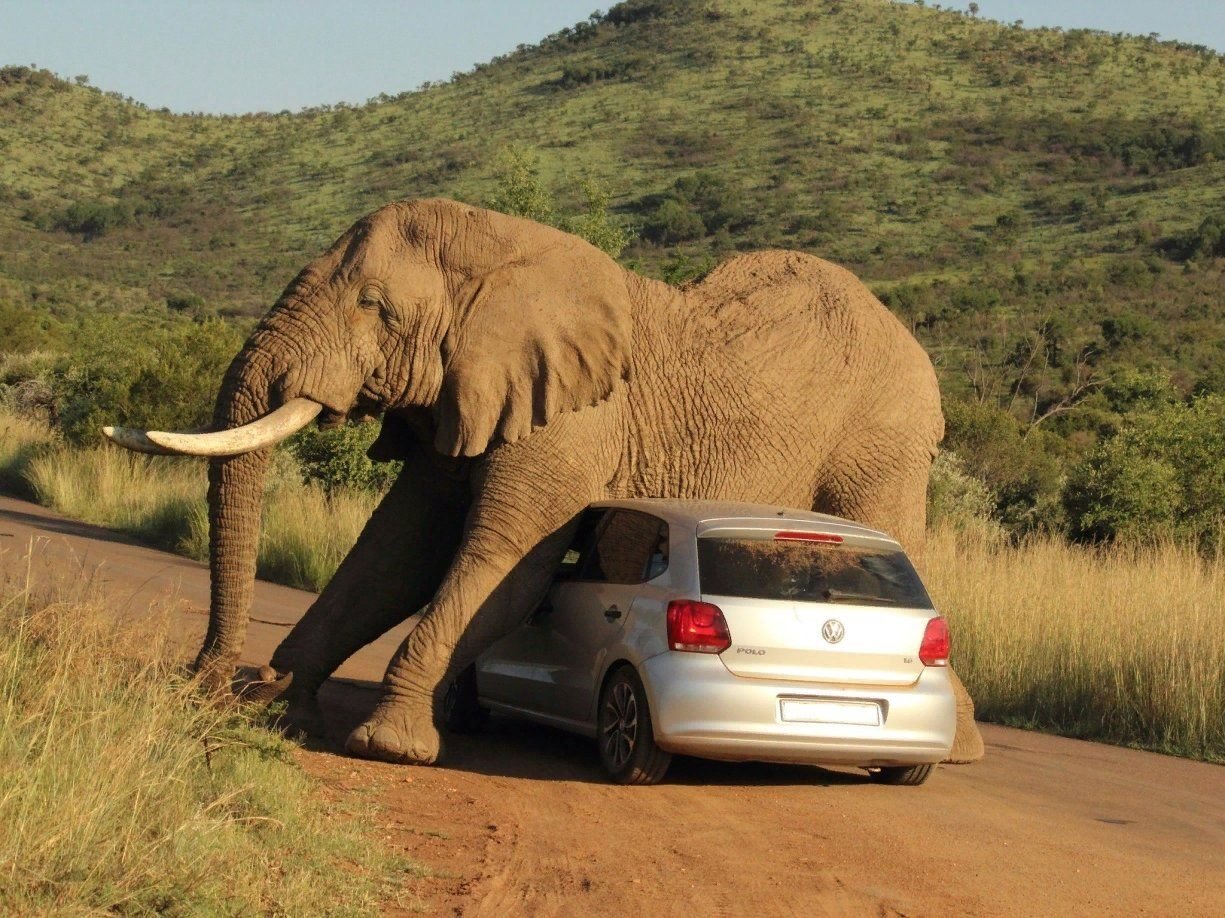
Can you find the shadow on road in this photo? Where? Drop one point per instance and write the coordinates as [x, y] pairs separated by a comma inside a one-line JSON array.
[[518, 749], [73, 528]]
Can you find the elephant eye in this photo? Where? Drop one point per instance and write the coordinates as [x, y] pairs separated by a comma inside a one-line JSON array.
[[369, 299]]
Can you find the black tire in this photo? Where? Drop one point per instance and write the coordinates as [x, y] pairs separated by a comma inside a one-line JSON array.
[[461, 708], [905, 775], [624, 732]]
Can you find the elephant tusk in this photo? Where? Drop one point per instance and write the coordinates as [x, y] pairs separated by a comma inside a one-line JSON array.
[[271, 428]]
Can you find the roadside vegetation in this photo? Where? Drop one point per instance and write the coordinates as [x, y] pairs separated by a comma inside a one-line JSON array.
[[308, 526], [122, 790], [1124, 644]]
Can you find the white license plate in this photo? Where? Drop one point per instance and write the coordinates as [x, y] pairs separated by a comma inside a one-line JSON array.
[[818, 711]]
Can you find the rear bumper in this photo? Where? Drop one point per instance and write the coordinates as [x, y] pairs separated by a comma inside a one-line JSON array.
[[699, 708]]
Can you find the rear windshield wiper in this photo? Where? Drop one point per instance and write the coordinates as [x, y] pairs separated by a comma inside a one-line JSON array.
[[840, 596]]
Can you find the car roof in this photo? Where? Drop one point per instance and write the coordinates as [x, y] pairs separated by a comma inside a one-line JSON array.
[[708, 514]]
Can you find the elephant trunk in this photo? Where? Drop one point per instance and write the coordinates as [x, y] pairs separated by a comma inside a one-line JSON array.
[[235, 500]]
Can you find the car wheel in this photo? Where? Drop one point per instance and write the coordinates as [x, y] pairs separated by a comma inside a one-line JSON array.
[[625, 735], [909, 775], [461, 708]]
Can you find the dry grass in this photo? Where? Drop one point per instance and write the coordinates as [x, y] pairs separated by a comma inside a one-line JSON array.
[[121, 791], [1125, 645], [158, 500], [306, 531], [21, 440]]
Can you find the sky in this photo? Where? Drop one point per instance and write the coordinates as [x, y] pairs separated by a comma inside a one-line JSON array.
[[233, 56]]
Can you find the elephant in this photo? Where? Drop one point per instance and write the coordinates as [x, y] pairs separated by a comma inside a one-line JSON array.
[[521, 374]]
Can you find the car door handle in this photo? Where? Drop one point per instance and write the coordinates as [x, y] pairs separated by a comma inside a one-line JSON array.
[[612, 612]]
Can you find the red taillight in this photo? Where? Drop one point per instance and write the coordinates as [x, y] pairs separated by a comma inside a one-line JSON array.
[[934, 651], [827, 538], [697, 626]]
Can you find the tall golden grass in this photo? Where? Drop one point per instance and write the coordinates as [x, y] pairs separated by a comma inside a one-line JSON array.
[[306, 531], [1125, 644], [122, 791], [21, 440], [158, 500]]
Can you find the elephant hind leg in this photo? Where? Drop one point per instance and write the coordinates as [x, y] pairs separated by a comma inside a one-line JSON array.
[[898, 506], [968, 741], [885, 489]]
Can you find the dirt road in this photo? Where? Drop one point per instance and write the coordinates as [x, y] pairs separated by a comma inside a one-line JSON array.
[[518, 821]]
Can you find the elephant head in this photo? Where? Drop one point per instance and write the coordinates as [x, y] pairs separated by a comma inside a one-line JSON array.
[[481, 325]]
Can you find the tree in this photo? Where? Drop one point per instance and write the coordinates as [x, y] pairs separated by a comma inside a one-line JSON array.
[[1161, 474], [520, 192], [597, 225]]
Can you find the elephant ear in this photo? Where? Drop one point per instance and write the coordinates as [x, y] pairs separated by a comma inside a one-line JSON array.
[[545, 334]]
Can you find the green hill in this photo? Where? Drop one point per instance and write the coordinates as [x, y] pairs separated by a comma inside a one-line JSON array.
[[1045, 208]]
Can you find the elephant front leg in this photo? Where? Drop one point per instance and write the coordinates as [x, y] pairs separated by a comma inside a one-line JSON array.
[[394, 569], [404, 726], [525, 497]]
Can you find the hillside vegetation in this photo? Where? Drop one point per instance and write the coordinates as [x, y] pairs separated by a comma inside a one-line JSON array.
[[1044, 208]]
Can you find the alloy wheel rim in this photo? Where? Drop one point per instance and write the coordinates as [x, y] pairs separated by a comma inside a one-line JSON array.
[[620, 725]]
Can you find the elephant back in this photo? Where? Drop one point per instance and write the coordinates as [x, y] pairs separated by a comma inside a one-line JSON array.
[[766, 303]]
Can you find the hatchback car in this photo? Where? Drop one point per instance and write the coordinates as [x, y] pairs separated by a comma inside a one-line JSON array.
[[728, 631]]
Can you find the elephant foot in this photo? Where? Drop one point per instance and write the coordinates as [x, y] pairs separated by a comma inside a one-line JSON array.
[[302, 717], [967, 742], [394, 735], [967, 745]]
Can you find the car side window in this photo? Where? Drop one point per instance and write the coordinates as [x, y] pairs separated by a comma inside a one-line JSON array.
[[588, 522], [629, 547]]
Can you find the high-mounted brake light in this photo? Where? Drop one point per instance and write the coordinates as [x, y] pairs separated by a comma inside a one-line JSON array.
[[934, 650], [698, 627], [827, 538]]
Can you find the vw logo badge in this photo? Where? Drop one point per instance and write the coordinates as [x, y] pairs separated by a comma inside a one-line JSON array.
[[832, 631]]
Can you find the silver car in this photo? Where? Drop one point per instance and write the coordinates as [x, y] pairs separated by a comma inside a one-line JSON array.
[[728, 631]]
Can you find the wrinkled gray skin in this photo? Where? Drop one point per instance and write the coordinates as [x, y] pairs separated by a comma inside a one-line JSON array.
[[524, 374]]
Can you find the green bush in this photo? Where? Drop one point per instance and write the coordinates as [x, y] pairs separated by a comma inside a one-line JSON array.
[[1125, 329], [673, 222], [26, 328], [94, 218], [956, 497], [1205, 241], [1163, 472], [169, 382], [681, 269], [336, 458], [1131, 390], [597, 225], [1023, 467], [522, 193], [696, 205]]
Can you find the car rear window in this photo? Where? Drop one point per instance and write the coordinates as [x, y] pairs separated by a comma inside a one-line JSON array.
[[809, 572]]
